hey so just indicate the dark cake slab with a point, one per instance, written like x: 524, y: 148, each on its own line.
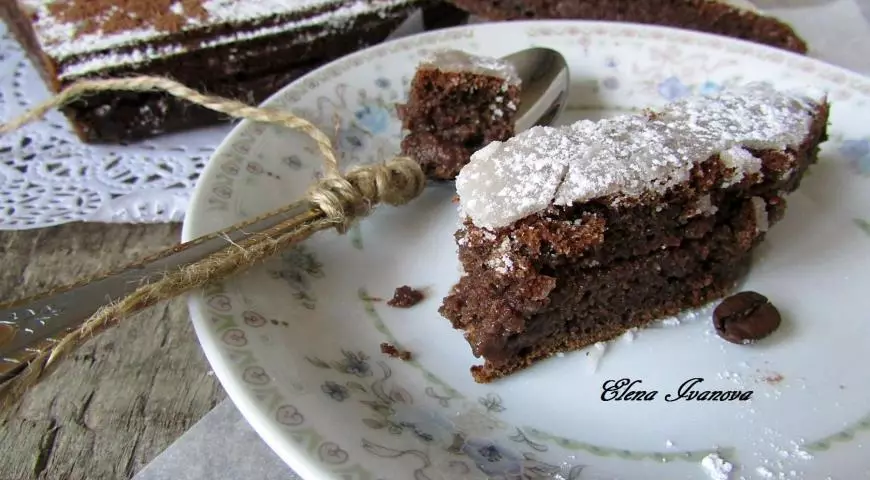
x: 709, y: 16
x: 244, y: 50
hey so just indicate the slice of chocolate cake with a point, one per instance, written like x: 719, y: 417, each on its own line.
x: 458, y: 103
x: 245, y: 50
x: 711, y: 16
x: 573, y: 235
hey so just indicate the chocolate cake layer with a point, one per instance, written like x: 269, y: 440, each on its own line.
x: 514, y: 324
x: 607, y: 226
x: 702, y: 15
x: 457, y: 104
x: 245, y: 51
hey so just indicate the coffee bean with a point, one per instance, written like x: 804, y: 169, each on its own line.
x: 745, y: 317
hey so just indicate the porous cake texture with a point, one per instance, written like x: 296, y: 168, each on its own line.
x: 458, y: 102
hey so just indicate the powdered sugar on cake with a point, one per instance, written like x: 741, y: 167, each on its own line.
x: 630, y: 155
x: 741, y: 161
x: 506, y: 181
x: 82, y: 52
x: 762, y: 221
x: 463, y: 62
x: 91, y: 63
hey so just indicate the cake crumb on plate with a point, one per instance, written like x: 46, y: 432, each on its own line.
x: 392, y: 351
x: 405, y: 297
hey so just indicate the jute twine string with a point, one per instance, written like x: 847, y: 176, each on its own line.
x: 335, y: 201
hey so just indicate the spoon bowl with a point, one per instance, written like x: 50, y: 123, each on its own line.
x: 545, y: 82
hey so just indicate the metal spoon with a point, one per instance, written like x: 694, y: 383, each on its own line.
x: 33, y: 324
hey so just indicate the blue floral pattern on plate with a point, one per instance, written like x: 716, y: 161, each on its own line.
x: 858, y: 154
x: 372, y: 118
x: 673, y: 89
x: 709, y: 88
x: 393, y: 408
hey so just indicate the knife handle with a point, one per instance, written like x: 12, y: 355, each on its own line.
x: 32, y: 325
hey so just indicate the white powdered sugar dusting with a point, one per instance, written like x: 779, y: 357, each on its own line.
x: 596, y: 353
x: 716, y: 467
x: 82, y: 53
x: 459, y: 61
x: 629, y: 155
x: 670, y: 322
x: 741, y: 161
x: 704, y: 206
x: 764, y: 472
x: 759, y: 208
x: 500, y: 259
x: 505, y: 191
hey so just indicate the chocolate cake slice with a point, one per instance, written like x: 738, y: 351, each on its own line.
x: 244, y: 49
x: 711, y: 16
x: 458, y: 102
x: 573, y: 235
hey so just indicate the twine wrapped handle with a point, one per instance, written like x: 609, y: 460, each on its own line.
x: 334, y: 201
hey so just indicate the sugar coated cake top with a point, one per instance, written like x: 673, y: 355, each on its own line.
x: 459, y: 61
x: 630, y: 155
x: 82, y: 34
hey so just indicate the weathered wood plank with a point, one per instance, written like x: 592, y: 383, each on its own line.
x: 125, y: 395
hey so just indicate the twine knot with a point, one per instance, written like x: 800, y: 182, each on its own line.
x: 345, y: 198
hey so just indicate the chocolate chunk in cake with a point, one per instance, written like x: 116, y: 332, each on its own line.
x: 573, y: 235
x: 711, y: 16
x: 458, y: 103
x: 245, y: 50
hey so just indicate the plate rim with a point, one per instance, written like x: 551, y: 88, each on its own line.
x: 295, y: 458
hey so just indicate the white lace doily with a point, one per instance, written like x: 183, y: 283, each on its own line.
x: 49, y: 177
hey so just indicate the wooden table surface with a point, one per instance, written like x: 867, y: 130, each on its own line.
x: 125, y: 395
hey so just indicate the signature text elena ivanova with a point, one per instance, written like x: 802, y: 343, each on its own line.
x: 626, y: 389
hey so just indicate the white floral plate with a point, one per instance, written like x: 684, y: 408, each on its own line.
x: 296, y: 342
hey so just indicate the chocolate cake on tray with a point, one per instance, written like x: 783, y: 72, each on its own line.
x: 711, y: 16
x: 573, y: 235
x: 245, y: 49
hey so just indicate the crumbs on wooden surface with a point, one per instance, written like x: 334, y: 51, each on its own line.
x: 394, y: 352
